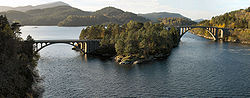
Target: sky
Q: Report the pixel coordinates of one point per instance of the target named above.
(194, 9)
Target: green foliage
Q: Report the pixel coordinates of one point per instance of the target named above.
(248, 9)
(48, 16)
(239, 20)
(134, 38)
(104, 16)
(155, 16)
(241, 35)
(234, 19)
(16, 60)
(69, 16)
(75, 20)
(174, 21)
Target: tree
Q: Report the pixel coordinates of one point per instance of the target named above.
(119, 47)
(15, 57)
(29, 38)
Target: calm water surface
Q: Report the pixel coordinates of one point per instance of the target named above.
(197, 68)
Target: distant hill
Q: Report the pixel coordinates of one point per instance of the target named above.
(62, 14)
(176, 21)
(5, 8)
(154, 16)
(198, 20)
(48, 16)
(69, 16)
(104, 16)
(29, 7)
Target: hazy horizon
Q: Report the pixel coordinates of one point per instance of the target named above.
(194, 9)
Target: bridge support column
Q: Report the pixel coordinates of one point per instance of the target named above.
(181, 31)
(216, 34)
(86, 48)
(212, 29)
(79, 44)
(222, 34)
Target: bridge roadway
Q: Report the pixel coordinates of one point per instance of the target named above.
(85, 46)
(64, 41)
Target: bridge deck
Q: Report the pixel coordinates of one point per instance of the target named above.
(63, 41)
(202, 27)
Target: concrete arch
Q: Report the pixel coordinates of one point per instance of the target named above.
(221, 33)
(48, 44)
(85, 46)
(211, 32)
(215, 32)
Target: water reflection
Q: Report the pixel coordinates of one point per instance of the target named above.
(84, 58)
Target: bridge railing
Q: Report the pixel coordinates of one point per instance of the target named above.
(59, 41)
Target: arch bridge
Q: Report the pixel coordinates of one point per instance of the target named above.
(85, 46)
(213, 31)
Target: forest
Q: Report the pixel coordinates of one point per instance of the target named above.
(175, 21)
(104, 16)
(48, 16)
(133, 41)
(17, 61)
(70, 16)
(238, 20)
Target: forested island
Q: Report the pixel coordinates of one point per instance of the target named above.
(239, 20)
(133, 42)
(17, 62)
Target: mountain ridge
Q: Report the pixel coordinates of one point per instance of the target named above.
(48, 16)
(30, 7)
(103, 16)
(154, 16)
(60, 13)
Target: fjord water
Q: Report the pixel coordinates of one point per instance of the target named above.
(196, 68)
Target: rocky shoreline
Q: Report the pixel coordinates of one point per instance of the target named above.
(233, 41)
(132, 60)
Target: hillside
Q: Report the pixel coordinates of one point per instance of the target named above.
(235, 19)
(69, 16)
(48, 16)
(154, 16)
(239, 20)
(62, 14)
(104, 16)
(173, 21)
(29, 7)
(199, 20)
(5, 8)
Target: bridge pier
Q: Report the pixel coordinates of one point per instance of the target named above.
(216, 34)
(222, 34)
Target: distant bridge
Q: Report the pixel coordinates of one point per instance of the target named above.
(213, 31)
(85, 46)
